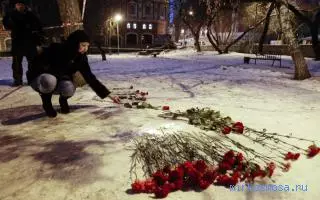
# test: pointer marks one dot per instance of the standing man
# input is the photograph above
(25, 30)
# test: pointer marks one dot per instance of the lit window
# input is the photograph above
(150, 26)
(144, 26)
(134, 26)
(128, 25)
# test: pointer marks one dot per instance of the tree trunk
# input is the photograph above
(196, 41)
(266, 28)
(209, 33)
(301, 68)
(70, 15)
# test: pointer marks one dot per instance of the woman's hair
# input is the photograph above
(74, 39)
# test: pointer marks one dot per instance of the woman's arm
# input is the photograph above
(93, 82)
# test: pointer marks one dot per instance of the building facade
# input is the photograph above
(144, 23)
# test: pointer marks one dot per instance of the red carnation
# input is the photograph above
(200, 165)
(160, 178)
(313, 150)
(150, 186)
(231, 161)
(239, 157)
(270, 169)
(138, 187)
(209, 176)
(226, 130)
(229, 154)
(204, 184)
(187, 165)
(175, 175)
(193, 177)
(292, 156)
(238, 127)
(165, 108)
(224, 166)
(137, 91)
(178, 184)
(296, 156)
(162, 192)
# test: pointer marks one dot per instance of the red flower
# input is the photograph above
(231, 161)
(238, 127)
(240, 167)
(209, 176)
(178, 185)
(193, 177)
(286, 167)
(296, 156)
(226, 130)
(239, 157)
(200, 165)
(288, 156)
(229, 154)
(313, 150)
(270, 169)
(160, 178)
(226, 180)
(150, 186)
(204, 184)
(165, 108)
(224, 166)
(162, 192)
(137, 91)
(138, 187)
(187, 165)
(175, 175)
(292, 156)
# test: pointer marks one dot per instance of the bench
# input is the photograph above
(267, 56)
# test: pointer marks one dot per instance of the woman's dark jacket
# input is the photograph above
(62, 61)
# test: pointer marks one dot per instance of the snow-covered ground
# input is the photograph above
(83, 155)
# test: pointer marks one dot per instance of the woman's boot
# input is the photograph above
(63, 101)
(47, 105)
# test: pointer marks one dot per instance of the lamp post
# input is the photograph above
(118, 18)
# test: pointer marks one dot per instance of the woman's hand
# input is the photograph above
(115, 99)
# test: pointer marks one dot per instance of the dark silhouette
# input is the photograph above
(25, 30)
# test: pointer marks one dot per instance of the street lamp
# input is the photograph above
(118, 18)
(191, 12)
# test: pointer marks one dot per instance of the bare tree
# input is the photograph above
(193, 15)
(223, 22)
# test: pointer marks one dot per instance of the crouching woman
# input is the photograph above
(53, 70)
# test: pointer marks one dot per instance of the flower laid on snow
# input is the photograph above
(238, 127)
(312, 151)
(270, 169)
(226, 130)
(292, 156)
(200, 175)
(165, 108)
